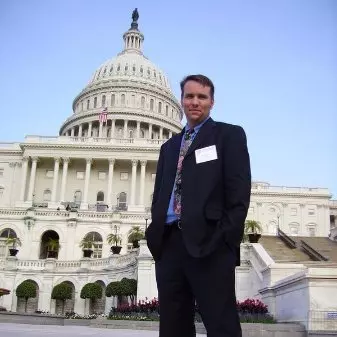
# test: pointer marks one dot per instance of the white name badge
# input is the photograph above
(205, 154)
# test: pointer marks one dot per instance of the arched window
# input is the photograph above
(119, 67)
(97, 241)
(134, 69)
(166, 110)
(4, 235)
(141, 71)
(103, 101)
(159, 107)
(126, 68)
(88, 104)
(95, 102)
(142, 102)
(81, 106)
(151, 104)
(111, 68)
(121, 203)
(113, 99)
(47, 195)
(122, 99)
(77, 197)
(133, 100)
(100, 196)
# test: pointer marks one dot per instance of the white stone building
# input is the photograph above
(97, 178)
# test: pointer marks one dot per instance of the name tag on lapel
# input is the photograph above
(205, 154)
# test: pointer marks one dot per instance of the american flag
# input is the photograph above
(103, 116)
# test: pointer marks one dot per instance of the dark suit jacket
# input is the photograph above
(215, 194)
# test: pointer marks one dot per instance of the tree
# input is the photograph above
(26, 290)
(114, 289)
(252, 226)
(14, 242)
(129, 288)
(135, 234)
(92, 291)
(114, 239)
(62, 292)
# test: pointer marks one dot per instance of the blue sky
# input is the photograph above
(274, 65)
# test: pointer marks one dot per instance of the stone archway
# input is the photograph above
(32, 304)
(45, 249)
(98, 306)
(69, 305)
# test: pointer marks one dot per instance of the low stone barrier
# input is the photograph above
(248, 329)
(22, 318)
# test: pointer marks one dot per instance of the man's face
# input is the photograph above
(196, 102)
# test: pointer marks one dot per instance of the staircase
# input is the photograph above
(281, 252)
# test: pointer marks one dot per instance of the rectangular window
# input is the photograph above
(49, 173)
(311, 211)
(124, 175)
(293, 211)
(101, 175)
(80, 175)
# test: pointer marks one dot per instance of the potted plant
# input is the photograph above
(53, 246)
(115, 240)
(135, 234)
(13, 242)
(253, 230)
(86, 244)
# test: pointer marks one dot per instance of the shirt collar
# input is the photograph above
(196, 128)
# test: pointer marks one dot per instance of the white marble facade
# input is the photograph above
(105, 171)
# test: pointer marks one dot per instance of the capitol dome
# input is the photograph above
(129, 88)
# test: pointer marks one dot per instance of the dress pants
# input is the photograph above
(183, 280)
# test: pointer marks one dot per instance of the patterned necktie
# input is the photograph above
(177, 189)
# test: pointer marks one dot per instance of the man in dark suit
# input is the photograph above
(200, 202)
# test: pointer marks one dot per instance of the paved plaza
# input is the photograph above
(27, 330)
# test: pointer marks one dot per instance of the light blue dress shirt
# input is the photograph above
(171, 216)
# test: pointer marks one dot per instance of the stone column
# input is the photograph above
(24, 178)
(55, 178)
(100, 131)
(150, 131)
(125, 129)
(89, 129)
(32, 179)
(170, 134)
(161, 133)
(142, 182)
(80, 131)
(113, 128)
(110, 178)
(72, 132)
(133, 181)
(86, 183)
(138, 129)
(64, 178)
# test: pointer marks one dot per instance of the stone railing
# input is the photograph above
(94, 140)
(53, 265)
(291, 190)
(31, 264)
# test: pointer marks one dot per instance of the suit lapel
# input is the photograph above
(202, 136)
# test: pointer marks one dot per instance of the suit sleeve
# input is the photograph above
(159, 178)
(237, 186)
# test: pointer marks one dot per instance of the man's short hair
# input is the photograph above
(201, 79)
